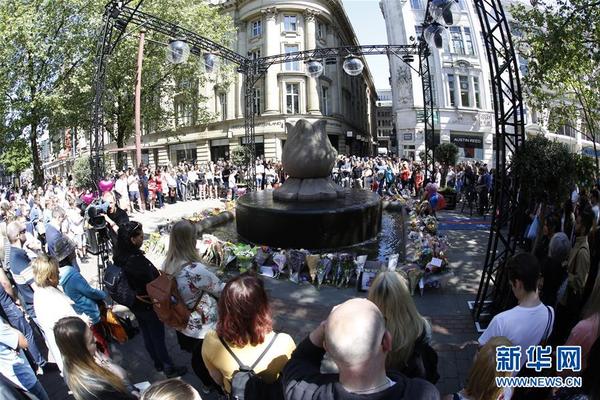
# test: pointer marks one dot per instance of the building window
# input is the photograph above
(292, 65)
(256, 103)
(451, 89)
(321, 30)
(462, 5)
(477, 92)
(416, 4)
(469, 41)
(491, 93)
(254, 54)
(464, 91)
(290, 23)
(457, 41)
(256, 28)
(223, 104)
(325, 100)
(183, 113)
(292, 98)
(462, 41)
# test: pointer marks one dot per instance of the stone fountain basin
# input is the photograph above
(329, 224)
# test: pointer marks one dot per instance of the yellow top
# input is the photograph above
(216, 357)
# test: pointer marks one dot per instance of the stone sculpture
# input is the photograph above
(308, 158)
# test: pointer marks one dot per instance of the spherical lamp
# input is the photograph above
(210, 62)
(445, 12)
(436, 35)
(178, 51)
(314, 68)
(353, 66)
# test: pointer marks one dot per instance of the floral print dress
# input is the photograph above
(195, 282)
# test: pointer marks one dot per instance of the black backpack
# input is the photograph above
(117, 285)
(245, 384)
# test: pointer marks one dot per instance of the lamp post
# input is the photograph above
(138, 101)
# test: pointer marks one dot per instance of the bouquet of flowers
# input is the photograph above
(279, 260)
(348, 269)
(296, 262)
(155, 245)
(431, 224)
(323, 269)
(245, 256)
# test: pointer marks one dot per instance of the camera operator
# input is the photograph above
(114, 215)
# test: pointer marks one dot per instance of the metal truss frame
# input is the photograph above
(118, 16)
(494, 294)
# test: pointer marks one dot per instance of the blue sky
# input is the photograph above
(369, 25)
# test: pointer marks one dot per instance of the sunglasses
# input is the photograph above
(23, 231)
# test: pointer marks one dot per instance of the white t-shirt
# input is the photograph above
(596, 210)
(523, 326)
(132, 183)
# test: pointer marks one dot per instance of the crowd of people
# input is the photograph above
(374, 348)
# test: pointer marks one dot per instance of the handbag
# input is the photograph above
(113, 326)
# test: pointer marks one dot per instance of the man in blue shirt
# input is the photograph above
(53, 232)
(21, 272)
(14, 365)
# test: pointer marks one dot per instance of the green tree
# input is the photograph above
(161, 81)
(43, 44)
(82, 173)
(561, 40)
(447, 155)
(16, 157)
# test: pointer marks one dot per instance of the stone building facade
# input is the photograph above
(285, 94)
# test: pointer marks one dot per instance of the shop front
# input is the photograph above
(470, 145)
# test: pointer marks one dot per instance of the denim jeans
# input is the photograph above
(153, 332)
(39, 391)
(18, 321)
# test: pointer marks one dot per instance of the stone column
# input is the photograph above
(272, 41)
(239, 84)
(310, 42)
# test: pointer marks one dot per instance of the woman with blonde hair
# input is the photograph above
(171, 389)
(481, 383)
(89, 375)
(49, 303)
(198, 288)
(411, 333)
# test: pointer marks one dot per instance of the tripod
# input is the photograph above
(99, 244)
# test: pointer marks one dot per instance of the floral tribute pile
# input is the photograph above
(336, 269)
(427, 248)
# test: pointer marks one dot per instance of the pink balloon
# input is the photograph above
(105, 186)
(87, 198)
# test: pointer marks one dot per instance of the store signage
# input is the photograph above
(467, 141)
(408, 136)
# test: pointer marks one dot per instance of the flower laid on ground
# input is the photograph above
(155, 245)
(244, 254)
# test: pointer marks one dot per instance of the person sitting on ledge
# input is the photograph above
(355, 337)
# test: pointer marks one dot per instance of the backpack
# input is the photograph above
(245, 384)
(117, 285)
(168, 303)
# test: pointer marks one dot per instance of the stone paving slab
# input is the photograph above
(298, 309)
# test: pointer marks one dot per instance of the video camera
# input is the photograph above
(95, 212)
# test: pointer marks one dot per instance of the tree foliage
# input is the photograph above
(546, 170)
(82, 173)
(43, 45)
(47, 68)
(16, 157)
(561, 41)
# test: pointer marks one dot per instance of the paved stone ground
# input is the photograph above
(299, 308)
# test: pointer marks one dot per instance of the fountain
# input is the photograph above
(309, 210)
